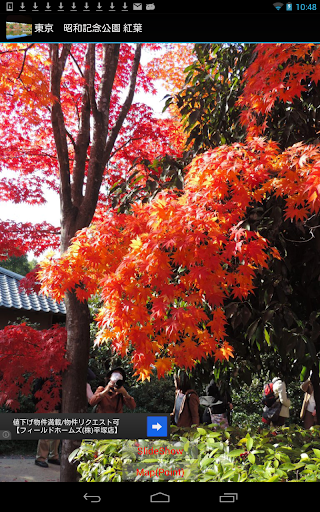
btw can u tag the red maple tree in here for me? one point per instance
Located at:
(27, 138)
(165, 270)
(279, 73)
(28, 354)
(69, 123)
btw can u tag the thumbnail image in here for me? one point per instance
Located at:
(15, 30)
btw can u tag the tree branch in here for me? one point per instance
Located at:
(126, 105)
(58, 124)
(83, 138)
(92, 71)
(110, 64)
(124, 145)
(24, 59)
(101, 111)
(101, 150)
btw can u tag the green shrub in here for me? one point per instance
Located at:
(237, 455)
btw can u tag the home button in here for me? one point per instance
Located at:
(159, 497)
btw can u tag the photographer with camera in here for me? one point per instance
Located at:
(112, 397)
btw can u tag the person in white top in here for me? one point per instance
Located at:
(280, 392)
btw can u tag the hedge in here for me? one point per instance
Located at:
(206, 455)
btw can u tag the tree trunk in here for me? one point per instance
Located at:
(75, 378)
(77, 204)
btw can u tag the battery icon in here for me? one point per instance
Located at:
(289, 6)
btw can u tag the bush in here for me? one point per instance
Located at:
(232, 455)
(247, 402)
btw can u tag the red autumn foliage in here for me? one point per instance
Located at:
(27, 354)
(165, 271)
(159, 267)
(29, 159)
(279, 72)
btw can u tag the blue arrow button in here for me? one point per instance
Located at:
(157, 426)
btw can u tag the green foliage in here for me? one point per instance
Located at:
(19, 264)
(164, 172)
(247, 404)
(207, 101)
(280, 320)
(232, 455)
(155, 396)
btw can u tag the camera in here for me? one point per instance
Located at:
(116, 378)
(118, 383)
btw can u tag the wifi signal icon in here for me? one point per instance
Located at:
(278, 5)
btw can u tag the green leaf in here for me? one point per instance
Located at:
(267, 336)
(228, 475)
(251, 458)
(288, 466)
(316, 452)
(214, 434)
(73, 454)
(249, 443)
(252, 329)
(274, 478)
(206, 461)
(235, 453)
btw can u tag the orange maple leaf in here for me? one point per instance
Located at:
(163, 366)
(225, 351)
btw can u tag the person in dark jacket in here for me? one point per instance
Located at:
(186, 405)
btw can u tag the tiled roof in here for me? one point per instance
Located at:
(11, 297)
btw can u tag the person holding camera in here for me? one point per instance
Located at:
(112, 397)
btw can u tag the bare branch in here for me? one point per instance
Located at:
(83, 138)
(124, 145)
(110, 64)
(126, 105)
(101, 150)
(71, 139)
(24, 59)
(58, 123)
(77, 65)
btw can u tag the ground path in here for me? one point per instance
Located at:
(23, 469)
